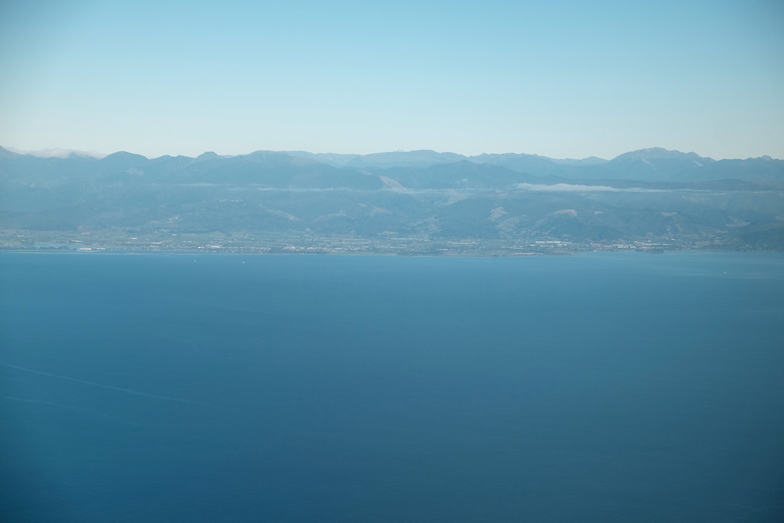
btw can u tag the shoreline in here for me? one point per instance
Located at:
(144, 252)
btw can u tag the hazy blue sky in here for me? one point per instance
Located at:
(565, 79)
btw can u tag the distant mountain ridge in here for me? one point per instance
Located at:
(653, 164)
(421, 196)
(56, 153)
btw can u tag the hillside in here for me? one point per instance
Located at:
(394, 200)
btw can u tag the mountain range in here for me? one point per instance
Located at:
(654, 164)
(645, 195)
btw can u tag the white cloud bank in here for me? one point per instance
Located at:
(565, 187)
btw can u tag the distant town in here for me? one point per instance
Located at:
(108, 241)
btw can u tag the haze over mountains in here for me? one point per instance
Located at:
(653, 164)
(645, 164)
(651, 194)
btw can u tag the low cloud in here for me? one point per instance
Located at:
(566, 187)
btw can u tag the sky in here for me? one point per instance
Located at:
(564, 79)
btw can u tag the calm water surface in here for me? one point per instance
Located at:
(624, 387)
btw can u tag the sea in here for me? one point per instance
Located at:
(610, 387)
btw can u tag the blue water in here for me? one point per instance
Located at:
(613, 387)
